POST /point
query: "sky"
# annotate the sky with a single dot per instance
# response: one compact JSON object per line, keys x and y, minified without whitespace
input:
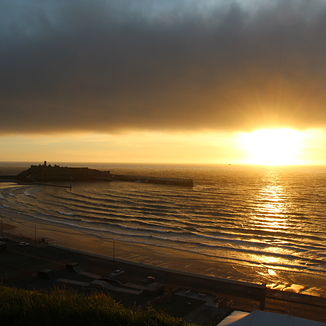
{"x":154,"y":81}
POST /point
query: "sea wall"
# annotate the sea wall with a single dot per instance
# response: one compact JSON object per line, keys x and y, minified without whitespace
{"x":157,"y":180}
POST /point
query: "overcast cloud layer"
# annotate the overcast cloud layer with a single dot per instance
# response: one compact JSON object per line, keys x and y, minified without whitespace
{"x":111,"y":66}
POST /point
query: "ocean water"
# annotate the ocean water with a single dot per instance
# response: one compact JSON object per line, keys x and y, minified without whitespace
{"x":241,"y":215}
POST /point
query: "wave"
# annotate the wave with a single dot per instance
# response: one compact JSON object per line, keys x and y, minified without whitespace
{"x":228,"y":215}
{"x":174,"y":227}
{"x":66,"y":213}
{"x":195,"y":247}
{"x":104,"y":206}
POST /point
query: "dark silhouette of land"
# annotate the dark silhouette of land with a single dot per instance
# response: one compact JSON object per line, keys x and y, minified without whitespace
{"x":47,"y":173}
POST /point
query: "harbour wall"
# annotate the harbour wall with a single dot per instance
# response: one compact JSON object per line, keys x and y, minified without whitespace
{"x":157,"y":180}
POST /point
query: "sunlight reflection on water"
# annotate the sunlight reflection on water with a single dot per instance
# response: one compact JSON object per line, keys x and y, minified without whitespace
{"x":271,"y":212}
{"x":271,"y":216}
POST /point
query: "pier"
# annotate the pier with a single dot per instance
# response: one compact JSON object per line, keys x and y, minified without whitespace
{"x":156,"y":180}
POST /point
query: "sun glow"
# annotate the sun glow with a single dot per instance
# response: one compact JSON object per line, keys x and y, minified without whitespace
{"x":273,"y":146}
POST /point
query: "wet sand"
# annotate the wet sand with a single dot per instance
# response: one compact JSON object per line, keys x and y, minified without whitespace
{"x":164,"y":257}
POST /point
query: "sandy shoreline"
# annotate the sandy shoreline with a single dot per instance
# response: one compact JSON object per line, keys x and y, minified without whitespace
{"x":162,"y":257}
{"x":21,"y":264}
{"x":157,"y":256}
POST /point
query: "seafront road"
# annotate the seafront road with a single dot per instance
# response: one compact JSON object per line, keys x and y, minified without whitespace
{"x":20,"y":266}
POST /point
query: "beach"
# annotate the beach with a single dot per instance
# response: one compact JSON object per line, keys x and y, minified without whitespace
{"x":155,"y":256}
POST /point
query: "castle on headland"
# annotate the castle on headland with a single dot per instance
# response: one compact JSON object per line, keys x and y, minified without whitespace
{"x":44,"y":173}
{"x":56,"y":173}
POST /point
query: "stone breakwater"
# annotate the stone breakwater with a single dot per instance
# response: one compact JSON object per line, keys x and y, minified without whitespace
{"x":157,"y":180}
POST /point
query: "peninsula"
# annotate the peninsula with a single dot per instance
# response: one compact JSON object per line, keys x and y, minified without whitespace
{"x":47,"y":173}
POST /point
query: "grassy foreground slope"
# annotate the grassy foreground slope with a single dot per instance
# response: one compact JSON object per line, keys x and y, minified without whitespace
{"x":64,"y":307}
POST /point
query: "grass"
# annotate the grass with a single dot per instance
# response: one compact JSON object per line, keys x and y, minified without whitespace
{"x":179,"y":306}
{"x":66,"y":307}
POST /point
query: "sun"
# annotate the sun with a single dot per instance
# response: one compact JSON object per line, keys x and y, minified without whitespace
{"x":272,"y":146}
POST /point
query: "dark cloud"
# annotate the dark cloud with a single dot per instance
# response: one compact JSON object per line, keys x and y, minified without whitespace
{"x":110,"y":66}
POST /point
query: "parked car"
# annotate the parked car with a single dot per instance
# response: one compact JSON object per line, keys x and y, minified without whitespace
{"x":117,"y":272}
{"x":4,"y":239}
{"x":23,"y":244}
{"x":148,"y":280}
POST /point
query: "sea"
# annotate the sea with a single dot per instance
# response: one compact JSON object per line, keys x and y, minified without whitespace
{"x":251,"y":217}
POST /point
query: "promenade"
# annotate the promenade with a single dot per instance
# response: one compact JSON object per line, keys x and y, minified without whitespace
{"x":20,"y":266}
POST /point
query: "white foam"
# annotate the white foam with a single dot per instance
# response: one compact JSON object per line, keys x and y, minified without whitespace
{"x":296,"y":288}
{"x":66,"y":213}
